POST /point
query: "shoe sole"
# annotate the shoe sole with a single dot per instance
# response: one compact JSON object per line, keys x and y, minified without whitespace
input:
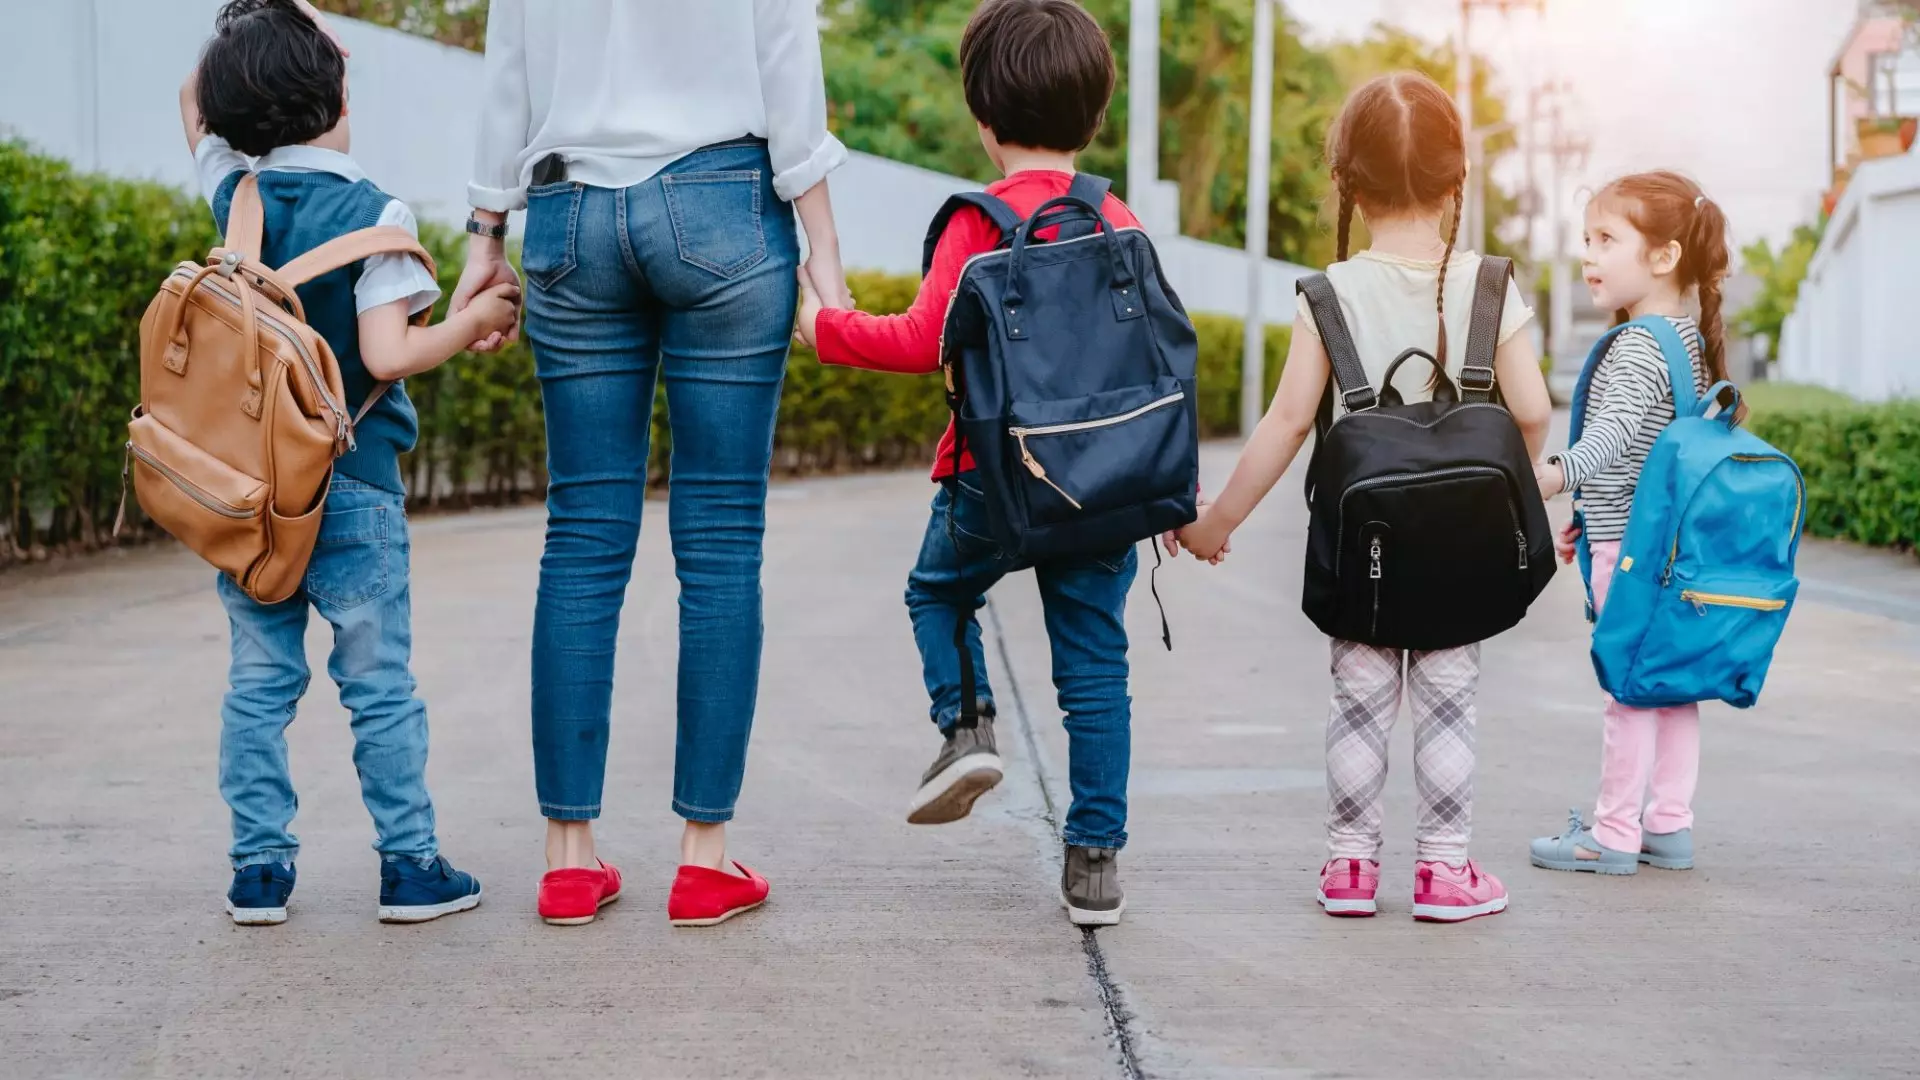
{"x":581,"y":920}
{"x":1349,"y":909}
{"x":1660,"y":863}
{"x":1449,"y":913}
{"x":717,"y":919}
{"x":256,"y":916}
{"x":1089,"y":917}
{"x":950,"y":795}
{"x":1587,"y":866}
{"x":416,"y":913}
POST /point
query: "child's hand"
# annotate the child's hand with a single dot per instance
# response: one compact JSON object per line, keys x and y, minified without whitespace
{"x":1552,"y":478}
{"x":1565,"y":541}
{"x":495,"y":311}
{"x":810,"y":307}
{"x":1207,"y":539}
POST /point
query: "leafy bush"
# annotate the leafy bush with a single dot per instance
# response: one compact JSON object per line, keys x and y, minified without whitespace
{"x":81,"y":256}
{"x":1862,"y":463}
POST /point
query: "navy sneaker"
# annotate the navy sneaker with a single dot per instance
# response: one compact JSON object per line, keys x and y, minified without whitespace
{"x":410,"y":892}
{"x":258,"y":895}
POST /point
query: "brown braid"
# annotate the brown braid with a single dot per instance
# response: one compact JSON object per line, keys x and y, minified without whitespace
{"x":1346,"y":220}
{"x":1440,"y":303}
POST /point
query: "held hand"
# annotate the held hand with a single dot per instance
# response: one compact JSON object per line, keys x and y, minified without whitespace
{"x":829,"y":278}
{"x":487,"y":267}
{"x":320,"y":21}
{"x":1565,"y":541}
{"x":1206,"y":538}
{"x":1552,"y":478}
{"x":810,"y":307}
{"x":496,"y":312}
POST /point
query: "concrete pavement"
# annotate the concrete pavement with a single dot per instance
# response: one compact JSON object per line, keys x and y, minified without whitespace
{"x":890,"y":951}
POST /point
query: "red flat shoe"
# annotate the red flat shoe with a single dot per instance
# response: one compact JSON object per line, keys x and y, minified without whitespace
{"x":574,"y":896}
{"x":703,"y":897}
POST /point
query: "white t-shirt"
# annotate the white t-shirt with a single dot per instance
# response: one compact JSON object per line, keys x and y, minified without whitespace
{"x":1390,"y":305}
{"x":383,"y":278}
{"x":623,"y":88}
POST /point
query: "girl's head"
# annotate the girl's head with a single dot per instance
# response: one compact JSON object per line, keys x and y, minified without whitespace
{"x":1651,"y":237}
{"x":1397,"y":149}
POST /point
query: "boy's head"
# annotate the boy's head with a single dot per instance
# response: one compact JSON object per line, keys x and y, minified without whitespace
{"x":1038,"y":74}
{"x":271,"y":78}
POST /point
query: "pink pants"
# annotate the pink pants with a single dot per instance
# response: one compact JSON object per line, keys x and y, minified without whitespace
{"x":1650,"y":759}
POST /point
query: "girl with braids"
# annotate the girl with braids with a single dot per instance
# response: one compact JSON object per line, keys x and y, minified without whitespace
{"x":1652,"y":238}
{"x":1399,"y":161}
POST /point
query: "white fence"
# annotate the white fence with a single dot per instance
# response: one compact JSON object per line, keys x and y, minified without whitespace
{"x":96,"y":82}
{"x":1856,"y":328}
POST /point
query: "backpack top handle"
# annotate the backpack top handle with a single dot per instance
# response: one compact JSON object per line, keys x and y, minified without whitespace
{"x":1443,"y":387}
{"x":1127,"y":303}
{"x":1483,"y":332}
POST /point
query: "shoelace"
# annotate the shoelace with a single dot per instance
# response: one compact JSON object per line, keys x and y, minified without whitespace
{"x":1574,"y":825}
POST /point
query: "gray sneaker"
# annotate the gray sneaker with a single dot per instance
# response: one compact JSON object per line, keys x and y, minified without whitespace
{"x":968,"y":767}
{"x":1090,"y":886}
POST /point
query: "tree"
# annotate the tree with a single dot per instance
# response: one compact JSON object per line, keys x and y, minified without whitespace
{"x":461,"y":23}
{"x":1780,"y":275}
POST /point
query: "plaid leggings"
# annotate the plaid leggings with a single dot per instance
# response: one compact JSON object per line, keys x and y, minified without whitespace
{"x":1367,"y":685}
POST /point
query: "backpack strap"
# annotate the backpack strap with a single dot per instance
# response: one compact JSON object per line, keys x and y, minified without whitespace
{"x":1483,"y":333}
{"x":1003,"y":217}
{"x":1349,"y":374}
{"x":1679,"y":369}
{"x":352,"y":248}
{"x":1089,"y":189}
{"x":246,"y":219}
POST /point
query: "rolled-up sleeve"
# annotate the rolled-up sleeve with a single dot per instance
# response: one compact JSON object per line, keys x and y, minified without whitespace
{"x":505,"y":113}
{"x":794,"y":91}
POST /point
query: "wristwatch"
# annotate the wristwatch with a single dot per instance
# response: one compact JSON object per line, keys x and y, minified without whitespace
{"x":481,"y":228}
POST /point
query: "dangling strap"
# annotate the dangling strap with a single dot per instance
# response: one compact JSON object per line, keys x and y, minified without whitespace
{"x":1483,"y":333}
{"x":1153,"y":586}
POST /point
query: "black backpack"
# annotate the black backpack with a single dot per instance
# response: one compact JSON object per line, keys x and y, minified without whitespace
{"x":1070,"y":371}
{"x":1427,"y":527}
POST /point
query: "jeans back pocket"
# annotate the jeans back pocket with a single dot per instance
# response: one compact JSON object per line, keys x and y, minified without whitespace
{"x":349,"y":564}
{"x":716,"y":219}
{"x":550,"y":250}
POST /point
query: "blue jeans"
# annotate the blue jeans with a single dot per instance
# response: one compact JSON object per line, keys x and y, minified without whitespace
{"x":1085,"y":601}
{"x":689,"y":276}
{"x":358,"y":582}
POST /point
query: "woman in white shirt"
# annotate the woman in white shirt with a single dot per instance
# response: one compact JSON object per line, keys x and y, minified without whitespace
{"x":655,"y":146}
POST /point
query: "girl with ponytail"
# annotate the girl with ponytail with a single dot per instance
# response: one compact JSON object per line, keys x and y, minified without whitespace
{"x":1399,"y":161}
{"x":1652,"y":241}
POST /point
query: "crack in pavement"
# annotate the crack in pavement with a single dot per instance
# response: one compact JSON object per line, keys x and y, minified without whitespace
{"x":1112,"y":1000}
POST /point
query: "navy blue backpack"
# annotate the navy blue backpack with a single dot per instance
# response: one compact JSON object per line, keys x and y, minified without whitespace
{"x":1070,"y":369}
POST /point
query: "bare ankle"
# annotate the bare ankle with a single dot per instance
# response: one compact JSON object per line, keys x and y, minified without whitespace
{"x":704,"y":843}
{"x":570,"y":845}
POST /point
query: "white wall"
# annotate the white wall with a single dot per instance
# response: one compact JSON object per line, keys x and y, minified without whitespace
{"x":1856,"y":327}
{"x":97,"y":82}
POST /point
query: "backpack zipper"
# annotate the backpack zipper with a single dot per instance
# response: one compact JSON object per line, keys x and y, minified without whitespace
{"x":1513,"y":510}
{"x":1703,"y":600}
{"x":1022,"y":434}
{"x":1373,"y":572}
{"x":190,"y":489}
{"x":343,"y":432}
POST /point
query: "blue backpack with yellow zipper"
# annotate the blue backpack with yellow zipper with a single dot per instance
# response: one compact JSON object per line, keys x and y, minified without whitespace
{"x":1705,"y":580}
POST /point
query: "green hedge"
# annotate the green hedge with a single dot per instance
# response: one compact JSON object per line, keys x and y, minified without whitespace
{"x":1862,"y":462}
{"x":81,"y":256}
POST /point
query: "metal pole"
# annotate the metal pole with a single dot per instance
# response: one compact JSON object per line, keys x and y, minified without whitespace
{"x":1463,"y":98}
{"x":1143,"y":106}
{"x":1253,"y":352}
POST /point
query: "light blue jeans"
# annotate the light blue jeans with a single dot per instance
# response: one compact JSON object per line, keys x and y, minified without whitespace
{"x":358,"y":582}
{"x":688,"y":276}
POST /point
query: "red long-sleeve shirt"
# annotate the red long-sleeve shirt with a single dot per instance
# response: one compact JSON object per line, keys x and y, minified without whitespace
{"x":909,"y":343}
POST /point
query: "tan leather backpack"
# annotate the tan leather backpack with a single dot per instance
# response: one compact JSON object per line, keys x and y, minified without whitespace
{"x":242,"y":412}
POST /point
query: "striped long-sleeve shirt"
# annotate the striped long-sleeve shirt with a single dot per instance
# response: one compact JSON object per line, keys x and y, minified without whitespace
{"x":1629,"y":404}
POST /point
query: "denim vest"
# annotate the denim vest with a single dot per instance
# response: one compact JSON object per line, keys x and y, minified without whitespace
{"x":303,"y":211}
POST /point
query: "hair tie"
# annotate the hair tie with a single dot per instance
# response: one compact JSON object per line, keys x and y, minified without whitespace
{"x":1699,"y":201}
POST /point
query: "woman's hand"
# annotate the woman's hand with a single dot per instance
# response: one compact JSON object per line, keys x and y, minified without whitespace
{"x":487,"y":267}
{"x":320,"y":22}
{"x":810,"y":306}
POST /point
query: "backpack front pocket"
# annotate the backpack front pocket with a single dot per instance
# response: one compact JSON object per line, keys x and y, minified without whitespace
{"x":206,"y":504}
{"x":1087,"y":455}
{"x":1712,"y":638}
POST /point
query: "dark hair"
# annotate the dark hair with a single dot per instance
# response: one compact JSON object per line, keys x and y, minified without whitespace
{"x":1037,"y":73}
{"x":1398,"y":145}
{"x":1665,"y":207}
{"x":270,"y":77}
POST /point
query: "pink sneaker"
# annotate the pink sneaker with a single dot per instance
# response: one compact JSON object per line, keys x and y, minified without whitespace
{"x":1444,"y":894}
{"x":1347,"y":887}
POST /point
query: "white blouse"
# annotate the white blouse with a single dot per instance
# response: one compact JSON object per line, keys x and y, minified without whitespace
{"x":623,"y":88}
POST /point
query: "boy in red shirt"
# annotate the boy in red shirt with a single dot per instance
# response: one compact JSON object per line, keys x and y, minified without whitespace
{"x":1038,"y":75}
